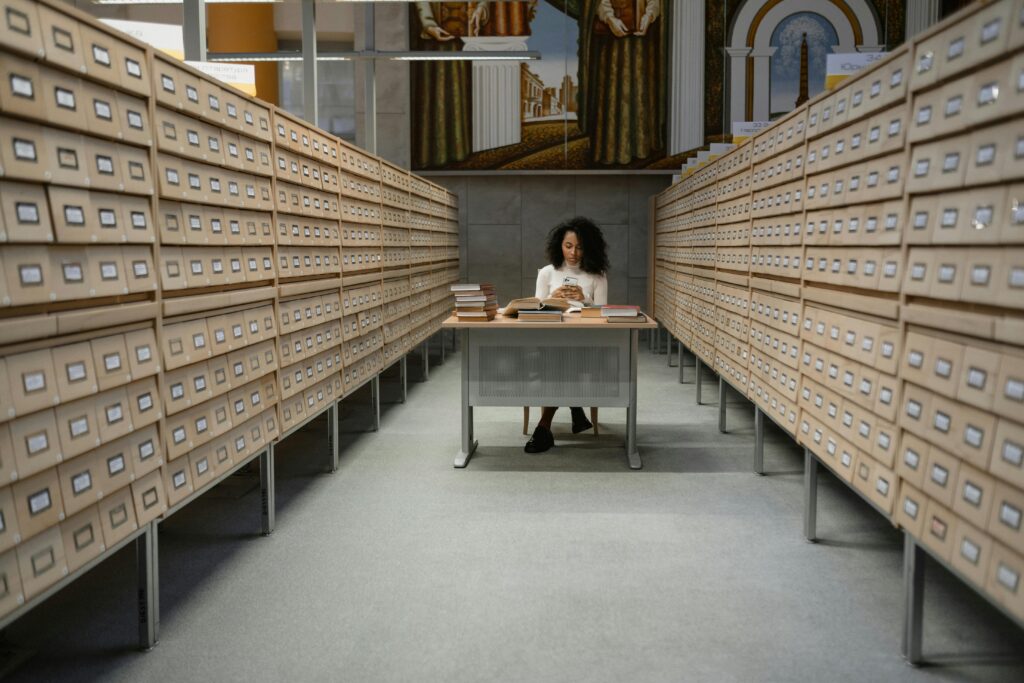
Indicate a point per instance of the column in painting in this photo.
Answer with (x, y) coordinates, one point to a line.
(496, 92)
(686, 130)
(737, 84)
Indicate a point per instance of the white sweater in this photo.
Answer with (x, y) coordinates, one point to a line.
(595, 287)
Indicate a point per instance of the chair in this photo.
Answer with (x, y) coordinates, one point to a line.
(526, 420)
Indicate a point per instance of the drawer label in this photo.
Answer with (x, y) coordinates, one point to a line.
(911, 458)
(1008, 577)
(37, 443)
(970, 551)
(115, 465)
(81, 483)
(39, 502)
(1010, 516)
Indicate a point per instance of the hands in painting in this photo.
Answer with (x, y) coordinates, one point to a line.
(438, 34)
(619, 29)
(478, 18)
(645, 23)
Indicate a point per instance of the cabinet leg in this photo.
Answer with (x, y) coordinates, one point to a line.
(375, 400)
(913, 589)
(332, 436)
(810, 497)
(722, 387)
(699, 368)
(147, 561)
(681, 352)
(403, 367)
(758, 441)
(267, 489)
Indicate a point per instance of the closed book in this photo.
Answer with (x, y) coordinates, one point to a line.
(465, 287)
(590, 312)
(627, 318)
(541, 316)
(471, 298)
(467, 308)
(610, 311)
(475, 316)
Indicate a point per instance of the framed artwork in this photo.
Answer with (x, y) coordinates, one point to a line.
(601, 96)
(597, 99)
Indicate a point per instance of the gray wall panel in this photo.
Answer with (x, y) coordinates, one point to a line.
(504, 221)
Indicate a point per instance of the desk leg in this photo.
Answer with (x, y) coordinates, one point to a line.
(468, 444)
(632, 453)
(668, 351)
(758, 441)
(441, 339)
(913, 587)
(426, 359)
(375, 400)
(810, 497)
(147, 560)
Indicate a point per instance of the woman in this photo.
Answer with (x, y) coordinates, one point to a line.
(579, 261)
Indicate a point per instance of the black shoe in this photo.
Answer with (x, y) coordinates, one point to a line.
(541, 440)
(580, 423)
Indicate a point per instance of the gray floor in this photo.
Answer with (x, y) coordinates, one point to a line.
(561, 567)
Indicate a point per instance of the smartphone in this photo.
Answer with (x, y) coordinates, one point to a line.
(570, 281)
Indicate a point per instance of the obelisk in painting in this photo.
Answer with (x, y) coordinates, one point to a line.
(803, 97)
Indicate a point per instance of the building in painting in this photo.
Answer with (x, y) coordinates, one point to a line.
(567, 94)
(531, 91)
(550, 105)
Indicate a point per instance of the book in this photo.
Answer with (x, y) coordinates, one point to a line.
(475, 298)
(639, 318)
(541, 315)
(474, 316)
(532, 303)
(467, 287)
(590, 312)
(618, 310)
(476, 306)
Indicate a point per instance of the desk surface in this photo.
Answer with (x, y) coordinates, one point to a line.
(569, 320)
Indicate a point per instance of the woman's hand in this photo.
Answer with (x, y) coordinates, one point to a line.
(568, 292)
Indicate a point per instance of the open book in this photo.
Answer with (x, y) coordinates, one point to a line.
(532, 303)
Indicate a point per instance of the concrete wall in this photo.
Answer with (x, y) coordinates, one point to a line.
(504, 222)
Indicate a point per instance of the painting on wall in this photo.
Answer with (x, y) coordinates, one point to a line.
(762, 57)
(597, 98)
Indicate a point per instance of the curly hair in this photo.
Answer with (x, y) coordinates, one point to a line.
(595, 250)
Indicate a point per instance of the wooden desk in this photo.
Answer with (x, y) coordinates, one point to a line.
(579, 361)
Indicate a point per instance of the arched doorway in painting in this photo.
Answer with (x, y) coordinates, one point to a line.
(788, 40)
(753, 39)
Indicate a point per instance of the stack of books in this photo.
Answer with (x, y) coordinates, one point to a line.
(475, 302)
